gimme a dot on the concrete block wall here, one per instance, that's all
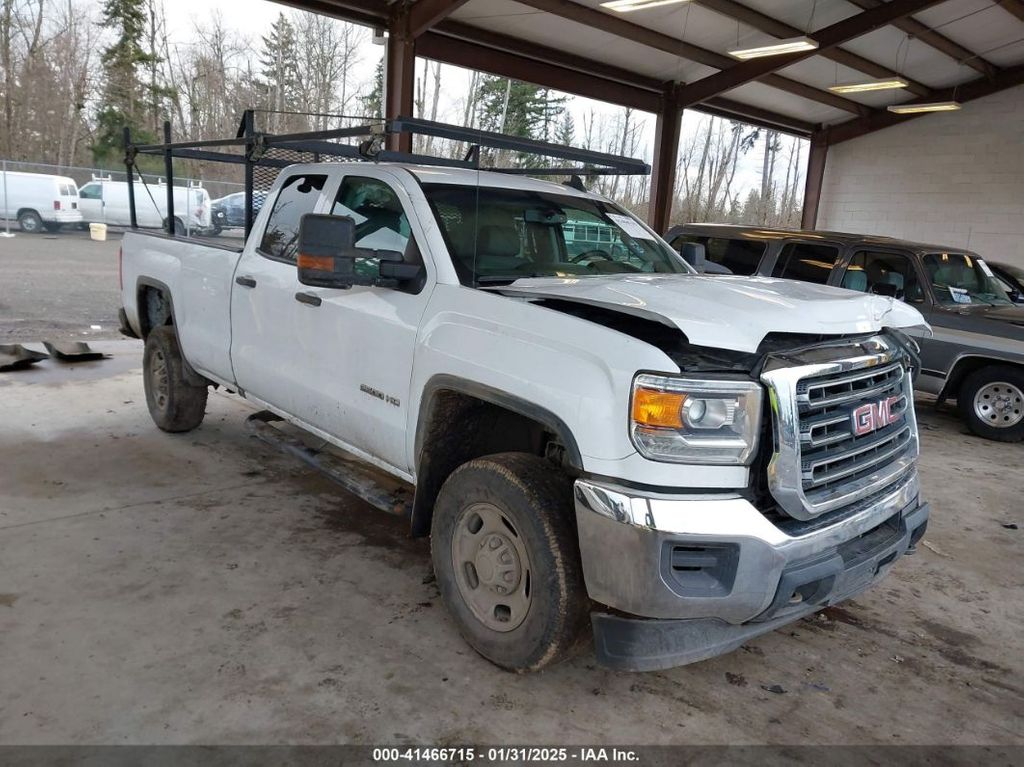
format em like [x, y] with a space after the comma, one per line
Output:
[952, 178]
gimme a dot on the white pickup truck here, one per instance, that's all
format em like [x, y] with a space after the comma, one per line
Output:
[593, 431]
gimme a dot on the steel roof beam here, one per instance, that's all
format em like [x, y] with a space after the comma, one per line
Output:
[975, 89]
[827, 37]
[1016, 7]
[753, 18]
[935, 40]
[619, 27]
[424, 14]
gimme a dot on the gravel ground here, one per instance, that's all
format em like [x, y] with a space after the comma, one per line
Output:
[58, 287]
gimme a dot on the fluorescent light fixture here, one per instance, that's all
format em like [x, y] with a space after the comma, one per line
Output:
[792, 45]
[625, 6]
[866, 86]
[934, 106]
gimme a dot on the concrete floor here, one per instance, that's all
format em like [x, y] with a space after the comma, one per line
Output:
[202, 588]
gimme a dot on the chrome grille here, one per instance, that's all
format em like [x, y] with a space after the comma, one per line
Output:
[820, 464]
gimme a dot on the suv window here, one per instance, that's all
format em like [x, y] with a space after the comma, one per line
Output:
[890, 274]
[298, 196]
[806, 262]
[91, 192]
[958, 278]
[738, 256]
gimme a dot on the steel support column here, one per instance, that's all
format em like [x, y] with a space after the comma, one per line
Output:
[815, 175]
[666, 150]
[399, 77]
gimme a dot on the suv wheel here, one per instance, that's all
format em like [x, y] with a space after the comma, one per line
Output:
[991, 401]
[506, 560]
[174, 404]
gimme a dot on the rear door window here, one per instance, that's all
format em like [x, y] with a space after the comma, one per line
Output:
[299, 195]
[807, 262]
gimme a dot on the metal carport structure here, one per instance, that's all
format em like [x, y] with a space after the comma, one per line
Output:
[673, 56]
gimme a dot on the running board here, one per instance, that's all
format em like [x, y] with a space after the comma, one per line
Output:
[372, 485]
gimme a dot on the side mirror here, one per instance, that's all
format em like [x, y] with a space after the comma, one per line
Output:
[695, 255]
[328, 256]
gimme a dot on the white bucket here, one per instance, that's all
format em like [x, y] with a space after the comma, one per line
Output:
[98, 232]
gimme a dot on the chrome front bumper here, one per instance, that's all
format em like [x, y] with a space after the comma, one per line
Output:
[714, 571]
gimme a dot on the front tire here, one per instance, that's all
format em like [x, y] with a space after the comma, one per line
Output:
[991, 401]
[174, 404]
[506, 559]
[30, 222]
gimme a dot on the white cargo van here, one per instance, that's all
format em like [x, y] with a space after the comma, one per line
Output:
[105, 201]
[39, 201]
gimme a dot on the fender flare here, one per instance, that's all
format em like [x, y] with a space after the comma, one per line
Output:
[141, 284]
[502, 399]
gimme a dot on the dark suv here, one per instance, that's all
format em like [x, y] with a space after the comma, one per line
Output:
[976, 352]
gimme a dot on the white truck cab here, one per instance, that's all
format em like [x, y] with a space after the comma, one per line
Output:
[594, 433]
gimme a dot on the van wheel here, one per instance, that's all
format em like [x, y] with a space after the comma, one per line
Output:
[991, 401]
[50, 226]
[174, 404]
[179, 226]
[506, 558]
[30, 222]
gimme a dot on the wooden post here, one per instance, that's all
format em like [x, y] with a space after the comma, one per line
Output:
[666, 150]
[399, 76]
[815, 176]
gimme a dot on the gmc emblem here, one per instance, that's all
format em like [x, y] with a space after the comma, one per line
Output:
[874, 415]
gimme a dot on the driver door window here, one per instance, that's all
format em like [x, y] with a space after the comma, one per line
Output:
[889, 274]
[381, 223]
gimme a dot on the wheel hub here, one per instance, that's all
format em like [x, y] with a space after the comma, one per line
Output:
[158, 378]
[497, 564]
[999, 404]
[492, 567]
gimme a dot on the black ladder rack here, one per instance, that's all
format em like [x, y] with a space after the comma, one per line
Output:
[255, 146]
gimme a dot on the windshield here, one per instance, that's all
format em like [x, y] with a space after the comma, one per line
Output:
[501, 235]
[961, 279]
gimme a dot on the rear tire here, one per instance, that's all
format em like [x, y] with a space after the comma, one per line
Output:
[30, 222]
[506, 559]
[991, 401]
[174, 404]
[51, 226]
[179, 226]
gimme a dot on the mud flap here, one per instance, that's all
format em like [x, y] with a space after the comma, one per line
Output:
[17, 357]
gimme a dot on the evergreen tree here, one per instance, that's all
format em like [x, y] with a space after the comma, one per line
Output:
[124, 95]
[566, 132]
[372, 104]
[279, 62]
[517, 109]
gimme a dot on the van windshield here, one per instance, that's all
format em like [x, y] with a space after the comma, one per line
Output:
[502, 235]
[961, 279]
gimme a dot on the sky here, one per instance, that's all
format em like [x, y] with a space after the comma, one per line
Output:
[258, 15]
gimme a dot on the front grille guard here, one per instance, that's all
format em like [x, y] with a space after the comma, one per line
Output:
[785, 468]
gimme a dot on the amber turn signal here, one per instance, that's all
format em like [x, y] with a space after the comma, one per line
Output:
[319, 263]
[658, 408]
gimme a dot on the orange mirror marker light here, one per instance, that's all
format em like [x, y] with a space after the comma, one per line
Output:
[658, 408]
[320, 263]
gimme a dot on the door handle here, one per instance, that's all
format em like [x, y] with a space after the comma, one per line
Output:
[246, 282]
[308, 298]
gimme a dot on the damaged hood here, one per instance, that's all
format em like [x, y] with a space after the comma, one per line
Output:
[727, 312]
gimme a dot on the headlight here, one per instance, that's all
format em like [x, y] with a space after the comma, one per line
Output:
[695, 420]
